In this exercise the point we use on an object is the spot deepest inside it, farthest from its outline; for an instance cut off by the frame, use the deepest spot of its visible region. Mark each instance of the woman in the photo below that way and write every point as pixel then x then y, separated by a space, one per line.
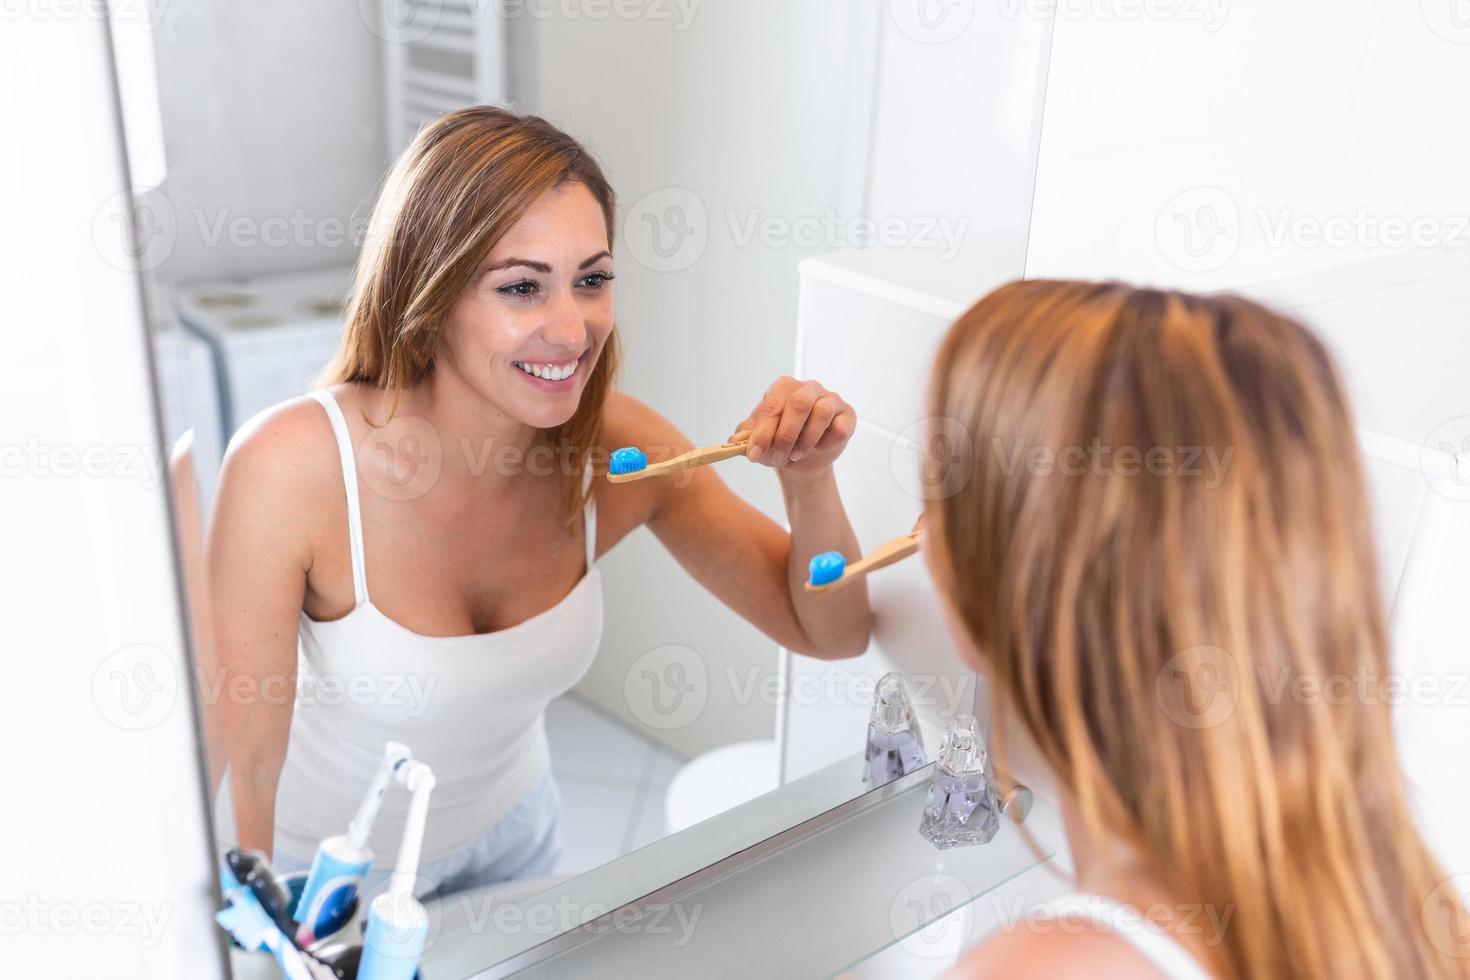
pixel 427 525
pixel 1130 607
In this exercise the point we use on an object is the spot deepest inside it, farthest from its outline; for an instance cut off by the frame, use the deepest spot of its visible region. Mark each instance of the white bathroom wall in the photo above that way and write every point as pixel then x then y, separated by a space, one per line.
pixel 1310 155
pixel 958 112
pixel 273 126
pixel 736 135
pixel 1213 144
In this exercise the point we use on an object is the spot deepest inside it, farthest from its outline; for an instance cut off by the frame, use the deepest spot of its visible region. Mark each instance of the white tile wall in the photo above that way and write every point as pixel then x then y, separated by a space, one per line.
pixel 870 324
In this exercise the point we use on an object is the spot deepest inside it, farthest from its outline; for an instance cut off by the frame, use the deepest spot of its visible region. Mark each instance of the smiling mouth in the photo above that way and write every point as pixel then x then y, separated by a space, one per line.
pixel 550 370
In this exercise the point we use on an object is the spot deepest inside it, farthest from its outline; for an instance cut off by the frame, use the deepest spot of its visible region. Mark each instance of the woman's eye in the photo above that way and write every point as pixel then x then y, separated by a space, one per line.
pixel 523 288
pixel 596 280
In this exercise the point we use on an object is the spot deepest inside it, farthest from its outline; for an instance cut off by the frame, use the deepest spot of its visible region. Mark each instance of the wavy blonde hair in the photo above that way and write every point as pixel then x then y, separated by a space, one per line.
pixel 461 184
pixel 1091 592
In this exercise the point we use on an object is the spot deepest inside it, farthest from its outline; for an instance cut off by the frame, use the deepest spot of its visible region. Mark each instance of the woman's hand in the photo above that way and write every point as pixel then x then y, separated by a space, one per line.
pixel 799 427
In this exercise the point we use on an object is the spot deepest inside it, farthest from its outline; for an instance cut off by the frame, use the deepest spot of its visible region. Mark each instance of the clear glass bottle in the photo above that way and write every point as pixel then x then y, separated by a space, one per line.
pixel 895 745
pixel 963 808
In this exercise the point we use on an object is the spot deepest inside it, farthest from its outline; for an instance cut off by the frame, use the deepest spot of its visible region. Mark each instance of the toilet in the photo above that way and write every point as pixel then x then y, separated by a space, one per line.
pixel 719 780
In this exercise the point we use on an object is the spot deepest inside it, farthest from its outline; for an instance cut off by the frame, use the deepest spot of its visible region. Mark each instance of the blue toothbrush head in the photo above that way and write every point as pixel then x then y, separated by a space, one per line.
pixel 827 567
pixel 626 460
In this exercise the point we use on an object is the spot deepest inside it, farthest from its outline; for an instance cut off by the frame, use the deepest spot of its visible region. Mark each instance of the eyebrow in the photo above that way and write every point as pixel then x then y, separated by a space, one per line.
pixel 542 267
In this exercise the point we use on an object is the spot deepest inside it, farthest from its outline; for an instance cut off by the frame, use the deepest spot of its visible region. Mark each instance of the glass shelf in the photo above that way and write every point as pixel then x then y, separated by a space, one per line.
pixel 812 900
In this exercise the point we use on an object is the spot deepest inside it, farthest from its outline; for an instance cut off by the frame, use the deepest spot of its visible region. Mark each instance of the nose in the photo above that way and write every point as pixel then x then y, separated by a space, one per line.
pixel 564 326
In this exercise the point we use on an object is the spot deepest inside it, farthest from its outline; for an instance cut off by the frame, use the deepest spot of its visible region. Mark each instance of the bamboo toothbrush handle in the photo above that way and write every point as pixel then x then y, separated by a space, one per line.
pixel 885 554
pixel 695 457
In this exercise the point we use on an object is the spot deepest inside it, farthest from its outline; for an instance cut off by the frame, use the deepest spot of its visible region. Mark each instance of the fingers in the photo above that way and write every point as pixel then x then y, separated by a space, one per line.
pixel 794 418
pixel 765 421
pixel 843 425
pixel 817 433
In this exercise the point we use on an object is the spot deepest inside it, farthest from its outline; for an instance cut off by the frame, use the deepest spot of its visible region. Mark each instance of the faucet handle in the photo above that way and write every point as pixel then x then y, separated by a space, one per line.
pixel 1015 802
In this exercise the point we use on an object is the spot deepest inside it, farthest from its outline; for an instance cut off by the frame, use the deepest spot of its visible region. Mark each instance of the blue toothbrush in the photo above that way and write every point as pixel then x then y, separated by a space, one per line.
pixel 630 463
pixel 830 570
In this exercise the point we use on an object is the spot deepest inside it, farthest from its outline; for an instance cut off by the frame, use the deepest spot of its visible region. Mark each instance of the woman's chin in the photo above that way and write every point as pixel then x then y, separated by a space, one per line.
pixel 549 413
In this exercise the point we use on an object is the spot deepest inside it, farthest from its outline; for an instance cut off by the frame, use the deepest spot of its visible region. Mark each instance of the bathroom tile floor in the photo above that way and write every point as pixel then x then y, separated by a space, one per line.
pixel 612 781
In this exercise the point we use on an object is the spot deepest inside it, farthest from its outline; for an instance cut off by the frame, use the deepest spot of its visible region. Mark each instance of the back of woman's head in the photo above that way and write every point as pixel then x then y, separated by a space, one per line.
pixel 1161 552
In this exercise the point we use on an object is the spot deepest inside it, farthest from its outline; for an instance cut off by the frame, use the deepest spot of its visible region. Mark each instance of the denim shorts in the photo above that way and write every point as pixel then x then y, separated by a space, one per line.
pixel 525 843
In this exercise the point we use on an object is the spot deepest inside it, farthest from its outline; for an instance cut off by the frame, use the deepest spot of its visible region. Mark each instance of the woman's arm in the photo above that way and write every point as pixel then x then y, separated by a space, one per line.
pixel 258 555
pixel 743 557
pixel 189 522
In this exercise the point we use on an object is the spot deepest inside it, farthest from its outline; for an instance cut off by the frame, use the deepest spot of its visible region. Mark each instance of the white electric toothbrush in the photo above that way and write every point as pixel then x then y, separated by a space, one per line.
pixel 343 861
pixel 398 924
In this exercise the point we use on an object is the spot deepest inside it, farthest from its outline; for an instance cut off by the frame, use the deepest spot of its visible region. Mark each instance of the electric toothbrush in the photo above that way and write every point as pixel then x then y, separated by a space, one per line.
pixel 341 862
pixel 255 911
pixel 398 924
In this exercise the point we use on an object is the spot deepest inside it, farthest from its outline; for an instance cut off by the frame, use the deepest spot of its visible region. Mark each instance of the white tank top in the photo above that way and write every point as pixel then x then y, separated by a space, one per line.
pixel 472 707
pixel 1128 924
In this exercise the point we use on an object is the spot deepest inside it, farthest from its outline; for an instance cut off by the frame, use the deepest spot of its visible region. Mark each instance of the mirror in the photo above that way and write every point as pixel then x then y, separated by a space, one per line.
pixel 615 698
pixel 376 550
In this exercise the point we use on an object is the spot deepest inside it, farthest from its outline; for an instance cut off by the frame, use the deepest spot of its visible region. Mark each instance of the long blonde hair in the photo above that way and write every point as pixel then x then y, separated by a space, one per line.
pixel 1137 616
pixel 457 189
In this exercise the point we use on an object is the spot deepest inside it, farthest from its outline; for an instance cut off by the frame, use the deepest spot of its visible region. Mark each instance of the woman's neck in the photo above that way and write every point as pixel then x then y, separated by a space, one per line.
pixel 1105 863
pixel 1109 866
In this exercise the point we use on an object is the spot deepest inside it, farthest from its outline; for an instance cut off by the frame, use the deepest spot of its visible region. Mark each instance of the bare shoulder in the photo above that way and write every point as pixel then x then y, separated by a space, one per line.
pixel 1054 948
pixel 282 467
pixel 626 421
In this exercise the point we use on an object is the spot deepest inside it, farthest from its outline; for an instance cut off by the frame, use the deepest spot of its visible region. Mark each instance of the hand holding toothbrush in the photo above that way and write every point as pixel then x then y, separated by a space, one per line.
pixel 799 427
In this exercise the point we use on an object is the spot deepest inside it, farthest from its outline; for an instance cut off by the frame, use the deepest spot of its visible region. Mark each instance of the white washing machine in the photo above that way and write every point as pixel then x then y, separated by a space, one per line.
pixel 269 337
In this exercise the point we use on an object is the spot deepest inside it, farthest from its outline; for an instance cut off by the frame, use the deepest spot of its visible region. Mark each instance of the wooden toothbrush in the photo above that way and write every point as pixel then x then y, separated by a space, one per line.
pixel 631 464
pixel 830 570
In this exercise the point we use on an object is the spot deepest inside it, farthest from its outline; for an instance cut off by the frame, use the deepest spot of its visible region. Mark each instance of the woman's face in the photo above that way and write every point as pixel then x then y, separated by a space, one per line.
pixel 530 325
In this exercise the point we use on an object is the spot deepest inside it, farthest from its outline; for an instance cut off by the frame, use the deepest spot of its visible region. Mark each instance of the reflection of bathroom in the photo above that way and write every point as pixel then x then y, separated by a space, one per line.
pixel 256 322
pixel 263 260
pixel 688 712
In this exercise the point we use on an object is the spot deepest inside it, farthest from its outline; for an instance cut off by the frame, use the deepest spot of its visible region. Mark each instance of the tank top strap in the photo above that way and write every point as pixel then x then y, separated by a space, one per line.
pixel 589 518
pixel 349 483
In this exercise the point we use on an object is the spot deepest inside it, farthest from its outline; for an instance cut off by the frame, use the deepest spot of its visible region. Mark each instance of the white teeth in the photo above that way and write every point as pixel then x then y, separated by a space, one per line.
pixel 548 372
